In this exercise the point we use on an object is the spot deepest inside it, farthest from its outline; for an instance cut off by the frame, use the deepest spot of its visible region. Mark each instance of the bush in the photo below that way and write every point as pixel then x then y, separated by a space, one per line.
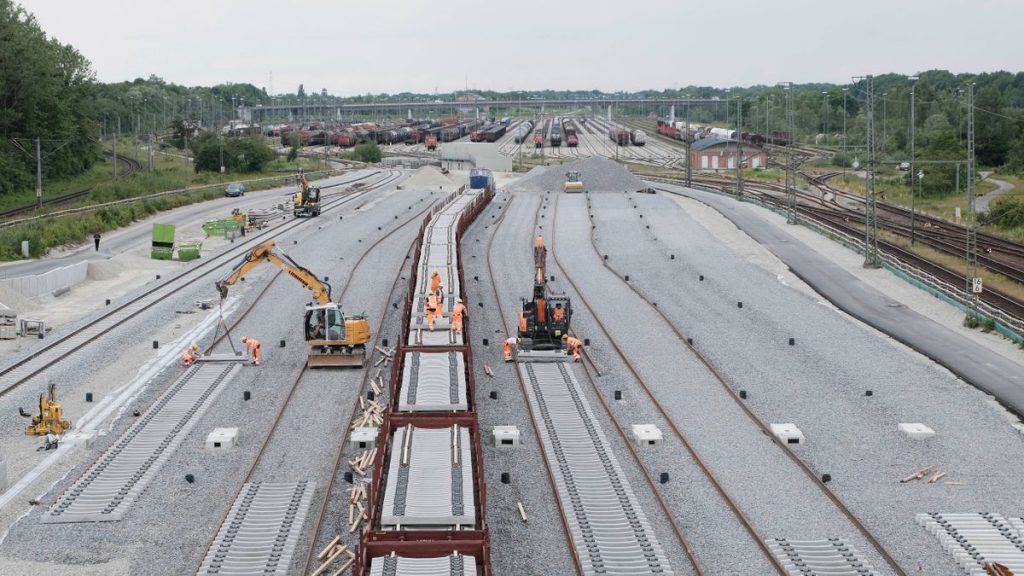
pixel 248 154
pixel 365 152
pixel 842 160
pixel 1004 213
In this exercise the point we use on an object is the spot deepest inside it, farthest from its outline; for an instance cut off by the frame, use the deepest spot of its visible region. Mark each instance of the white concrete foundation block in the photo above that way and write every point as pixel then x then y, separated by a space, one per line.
pixel 83 439
pixel 916 430
pixel 506 436
pixel 363 438
pixel 788 433
pixel 646 435
pixel 222 439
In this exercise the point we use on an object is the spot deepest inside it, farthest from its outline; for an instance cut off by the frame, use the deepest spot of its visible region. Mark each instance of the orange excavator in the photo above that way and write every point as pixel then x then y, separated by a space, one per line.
pixel 545 318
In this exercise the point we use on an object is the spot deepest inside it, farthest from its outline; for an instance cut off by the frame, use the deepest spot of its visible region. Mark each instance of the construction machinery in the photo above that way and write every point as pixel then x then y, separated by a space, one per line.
pixel 51 417
pixel 333 338
pixel 307 199
pixel 573 183
pixel 545 318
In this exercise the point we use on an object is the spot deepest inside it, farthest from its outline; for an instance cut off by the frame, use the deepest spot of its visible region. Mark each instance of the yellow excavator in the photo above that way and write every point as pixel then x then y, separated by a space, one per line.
pixel 51 416
pixel 334 340
pixel 307 200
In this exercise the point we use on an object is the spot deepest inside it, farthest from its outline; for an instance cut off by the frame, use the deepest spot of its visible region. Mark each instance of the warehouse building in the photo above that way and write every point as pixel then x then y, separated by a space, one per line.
pixel 718 154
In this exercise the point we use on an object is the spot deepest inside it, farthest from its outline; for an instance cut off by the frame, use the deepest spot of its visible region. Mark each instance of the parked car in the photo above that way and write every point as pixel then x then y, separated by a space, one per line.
pixel 234 190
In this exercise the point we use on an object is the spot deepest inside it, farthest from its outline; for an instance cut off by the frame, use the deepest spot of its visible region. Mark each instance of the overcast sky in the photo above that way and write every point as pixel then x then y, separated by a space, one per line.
pixel 352 47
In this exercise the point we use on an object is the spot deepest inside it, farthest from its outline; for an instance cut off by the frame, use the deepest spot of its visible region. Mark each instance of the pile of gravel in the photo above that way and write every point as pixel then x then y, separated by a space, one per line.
pixel 598 175
pixel 429 178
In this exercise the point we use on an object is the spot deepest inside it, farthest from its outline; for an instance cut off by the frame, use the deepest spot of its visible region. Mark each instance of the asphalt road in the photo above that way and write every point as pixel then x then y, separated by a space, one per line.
pixel 975 364
pixel 139 233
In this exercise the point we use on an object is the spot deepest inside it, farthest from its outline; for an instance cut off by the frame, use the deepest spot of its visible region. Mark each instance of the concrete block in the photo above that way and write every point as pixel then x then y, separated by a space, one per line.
pixel 646 435
pixel 916 430
pixel 222 439
pixel 788 433
pixel 83 439
pixel 506 436
pixel 364 437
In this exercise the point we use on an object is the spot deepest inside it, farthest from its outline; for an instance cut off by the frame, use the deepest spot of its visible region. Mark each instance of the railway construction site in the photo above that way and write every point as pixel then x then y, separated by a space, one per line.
pixel 638 375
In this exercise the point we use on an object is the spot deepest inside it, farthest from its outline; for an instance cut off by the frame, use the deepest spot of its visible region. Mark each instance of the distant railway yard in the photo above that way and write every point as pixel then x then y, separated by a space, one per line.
pixel 546 345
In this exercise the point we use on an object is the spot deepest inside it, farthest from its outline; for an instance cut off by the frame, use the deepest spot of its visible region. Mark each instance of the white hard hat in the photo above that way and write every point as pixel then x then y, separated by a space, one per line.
pixel 459 300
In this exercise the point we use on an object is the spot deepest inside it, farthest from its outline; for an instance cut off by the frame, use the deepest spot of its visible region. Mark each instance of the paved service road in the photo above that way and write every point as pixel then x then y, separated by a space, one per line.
pixel 982 203
pixel 977 365
pixel 131 237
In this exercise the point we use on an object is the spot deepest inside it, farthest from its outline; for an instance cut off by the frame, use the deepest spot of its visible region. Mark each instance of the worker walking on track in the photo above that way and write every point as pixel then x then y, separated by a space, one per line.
pixel 432 311
pixel 190 355
pixel 573 345
pixel 509 346
pixel 253 349
pixel 435 282
pixel 458 313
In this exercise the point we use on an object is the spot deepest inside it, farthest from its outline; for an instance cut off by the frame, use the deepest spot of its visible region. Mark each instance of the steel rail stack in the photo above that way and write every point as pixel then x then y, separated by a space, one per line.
pixel 427 511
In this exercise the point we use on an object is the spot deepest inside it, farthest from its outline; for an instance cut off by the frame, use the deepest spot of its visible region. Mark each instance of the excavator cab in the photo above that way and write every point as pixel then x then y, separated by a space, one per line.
pixel 335 340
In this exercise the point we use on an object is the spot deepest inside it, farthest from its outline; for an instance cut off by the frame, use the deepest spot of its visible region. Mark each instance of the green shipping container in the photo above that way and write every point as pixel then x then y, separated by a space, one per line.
pixel 188 251
pixel 221 227
pixel 163 242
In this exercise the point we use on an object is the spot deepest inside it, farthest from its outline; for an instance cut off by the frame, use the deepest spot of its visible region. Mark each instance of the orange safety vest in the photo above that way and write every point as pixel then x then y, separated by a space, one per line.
pixel 431 303
pixel 459 311
pixel 558 315
pixel 435 282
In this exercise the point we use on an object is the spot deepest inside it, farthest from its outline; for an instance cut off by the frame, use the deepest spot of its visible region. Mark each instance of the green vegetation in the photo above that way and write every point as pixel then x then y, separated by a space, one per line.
pixel 53 232
pixel 46 92
pixel 1005 213
pixel 245 155
pixel 366 152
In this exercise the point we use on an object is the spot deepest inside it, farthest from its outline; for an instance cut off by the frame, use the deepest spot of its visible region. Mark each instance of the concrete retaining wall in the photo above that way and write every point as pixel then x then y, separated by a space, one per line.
pixel 49 282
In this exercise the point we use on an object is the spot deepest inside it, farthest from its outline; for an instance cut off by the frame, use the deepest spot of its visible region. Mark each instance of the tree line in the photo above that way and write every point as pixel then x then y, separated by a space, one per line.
pixel 48 91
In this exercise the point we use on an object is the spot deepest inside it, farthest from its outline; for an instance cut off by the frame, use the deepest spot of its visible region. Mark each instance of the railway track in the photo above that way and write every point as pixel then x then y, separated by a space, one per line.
pixel 850 222
pixel 228 554
pixel 131 166
pixel 724 384
pixel 561 392
pixel 23 370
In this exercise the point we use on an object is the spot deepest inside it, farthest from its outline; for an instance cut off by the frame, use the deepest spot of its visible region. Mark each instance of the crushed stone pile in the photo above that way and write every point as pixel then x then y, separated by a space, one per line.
pixel 429 178
pixel 598 175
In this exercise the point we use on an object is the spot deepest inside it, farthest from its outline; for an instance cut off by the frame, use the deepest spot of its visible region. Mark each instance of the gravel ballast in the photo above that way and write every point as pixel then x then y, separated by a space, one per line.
pixel 820 384
pixel 309 435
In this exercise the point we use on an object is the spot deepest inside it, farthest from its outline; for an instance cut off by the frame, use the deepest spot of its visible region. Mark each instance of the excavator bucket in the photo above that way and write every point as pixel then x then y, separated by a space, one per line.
pixel 329 358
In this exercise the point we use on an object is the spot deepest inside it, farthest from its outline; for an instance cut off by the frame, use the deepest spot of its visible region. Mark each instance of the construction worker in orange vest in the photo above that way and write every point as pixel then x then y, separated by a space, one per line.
pixel 458 313
pixel 559 314
pixel 540 241
pixel 189 357
pixel 508 346
pixel 435 281
pixel 432 310
pixel 253 349
pixel 440 295
pixel 573 344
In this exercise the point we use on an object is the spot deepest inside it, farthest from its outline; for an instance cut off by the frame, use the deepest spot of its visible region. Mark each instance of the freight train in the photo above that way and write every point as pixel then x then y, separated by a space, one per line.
pixel 523 132
pixel 572 139
pixel 638 137
pixel 619 135
pixel 555 134
pixel 426 511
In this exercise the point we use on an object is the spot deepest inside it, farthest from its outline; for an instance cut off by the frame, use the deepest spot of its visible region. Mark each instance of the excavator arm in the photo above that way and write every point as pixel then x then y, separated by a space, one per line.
pixel 265 253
